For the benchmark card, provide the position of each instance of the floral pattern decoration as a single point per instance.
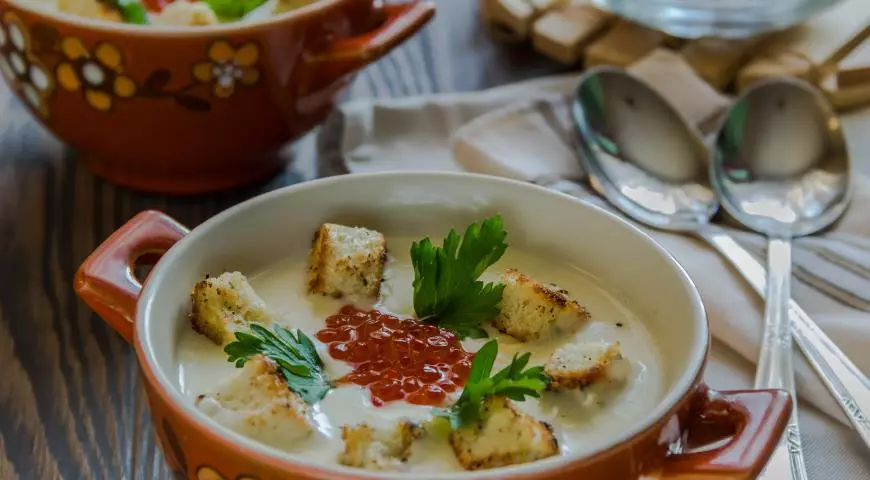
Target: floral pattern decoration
(98, 74)
(178, 461)
(208, 473)
(226, 66)
(23, 71)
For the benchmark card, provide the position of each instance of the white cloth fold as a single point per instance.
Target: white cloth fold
(521, 131)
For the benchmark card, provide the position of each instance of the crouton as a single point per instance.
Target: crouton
(91, 9)
(529, 310)
(378, 449)
(504, 436)
(183, 13)
(258, 403)
(288, 5)
(224, 304)
(347, 261)
(580, 364)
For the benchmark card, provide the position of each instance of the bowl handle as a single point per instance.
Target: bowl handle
(755, 420)
(106, 282)
(348, 55)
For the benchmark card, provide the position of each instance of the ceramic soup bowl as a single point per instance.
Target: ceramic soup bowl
(732, 433)
(192, 109)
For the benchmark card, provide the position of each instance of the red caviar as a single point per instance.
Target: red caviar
(155, 5)
(396, 359)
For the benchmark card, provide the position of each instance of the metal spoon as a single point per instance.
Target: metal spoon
(644, 159)
(780, 167)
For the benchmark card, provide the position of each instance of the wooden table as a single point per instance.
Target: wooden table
(71, 403)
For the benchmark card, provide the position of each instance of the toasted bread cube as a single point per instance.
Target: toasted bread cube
(347, 261)
(184, 13)
(91, 9)
(378, 449)
(580, 364)
(287, 5)
(503, 436)
(224, 304)
(258, 403)
(529, 310)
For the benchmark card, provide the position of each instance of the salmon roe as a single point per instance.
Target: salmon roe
(396, 359)
(155, 5)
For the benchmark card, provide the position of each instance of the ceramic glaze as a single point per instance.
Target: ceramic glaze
(218, 111)
(614, 269)
(583, 421)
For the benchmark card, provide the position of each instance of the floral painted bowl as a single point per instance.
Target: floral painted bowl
(690, 432)
(192, 109)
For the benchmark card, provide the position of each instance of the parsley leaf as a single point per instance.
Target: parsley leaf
(446, 286)
(132, 11)
(296, 357)
(228, 10)
(512, 382)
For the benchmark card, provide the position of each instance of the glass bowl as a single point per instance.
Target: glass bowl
(716, 18)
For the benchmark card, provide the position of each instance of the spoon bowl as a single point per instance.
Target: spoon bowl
(646, 160)
(640, 153)
(780, 167)
(779, 164)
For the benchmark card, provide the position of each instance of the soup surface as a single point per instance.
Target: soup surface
(178, 13)
(582, 420)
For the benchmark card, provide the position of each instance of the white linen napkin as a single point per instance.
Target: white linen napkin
(522, 131)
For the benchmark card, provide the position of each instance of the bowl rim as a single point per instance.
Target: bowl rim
(154, 30)
(685, 383)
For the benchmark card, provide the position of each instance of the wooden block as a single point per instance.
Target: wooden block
(813, 49)
(671, 41)
(826, 38)
(670, 75)
(854, 69)
(623, 45)
(563, 33)
(784, 65)
(717, 60)
(514, 16)
(543, 6)
(846, 97)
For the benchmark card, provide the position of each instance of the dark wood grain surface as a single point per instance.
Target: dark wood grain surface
(71, 403)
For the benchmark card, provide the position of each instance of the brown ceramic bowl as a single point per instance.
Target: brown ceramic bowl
(734, 432)
(193, 109)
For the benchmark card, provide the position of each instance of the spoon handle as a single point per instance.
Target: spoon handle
(775, 360)
(849, 387)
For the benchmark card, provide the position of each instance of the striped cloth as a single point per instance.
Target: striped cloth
(522, 131)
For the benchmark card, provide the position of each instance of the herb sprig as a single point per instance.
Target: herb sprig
(296, 357)
(446, 286)
(512, 382)
(132, 11)
(228, 10)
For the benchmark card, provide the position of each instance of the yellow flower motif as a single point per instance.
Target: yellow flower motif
(23, 71)
(227, 65)
(208, 473)
(97, 73)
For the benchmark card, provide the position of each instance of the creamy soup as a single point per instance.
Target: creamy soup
(178, 13)
(582, 421)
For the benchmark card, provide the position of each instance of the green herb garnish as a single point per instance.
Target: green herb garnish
(512, 382)
(446, 289)
(296, 357)
(132, 11)
(228, 10)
